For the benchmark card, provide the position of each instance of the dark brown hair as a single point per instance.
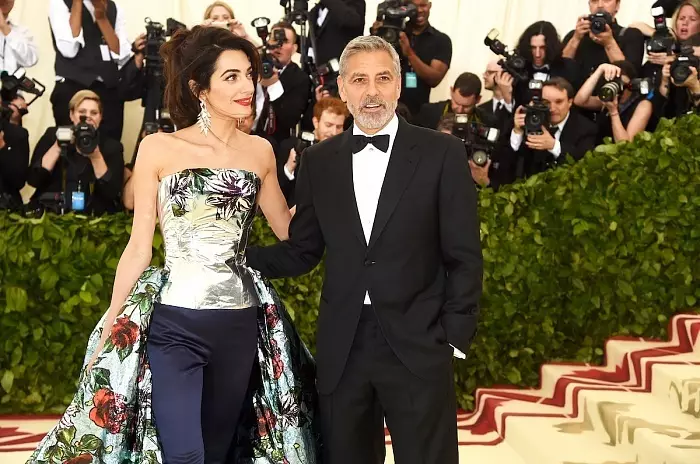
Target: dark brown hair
(468, 84)
(191, 55)
(561, 84)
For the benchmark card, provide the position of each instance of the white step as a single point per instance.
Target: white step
(678, 386)
(557, 440)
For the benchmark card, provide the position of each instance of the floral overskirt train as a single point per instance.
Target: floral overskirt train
(110, 419)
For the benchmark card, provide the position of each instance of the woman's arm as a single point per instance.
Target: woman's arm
(271, 200)
(640, 119)
(585, 98)
(138, 252)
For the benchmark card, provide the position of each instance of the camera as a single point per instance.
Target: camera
(480, 140)
(304, 141)
(326, 75)
(680, 68)
(610, 89)
(512, 63)
(537, 114)
(599, 20)
(394, 15)
(12, 84)
(662, 41)
(156, 35)
(163, 123)
(279, 36)
(298, 11)
(84, 135)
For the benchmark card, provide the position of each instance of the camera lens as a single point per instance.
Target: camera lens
(680, 74)
(480, 158)
(534, 119)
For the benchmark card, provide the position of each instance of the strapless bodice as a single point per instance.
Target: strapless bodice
(205, 219)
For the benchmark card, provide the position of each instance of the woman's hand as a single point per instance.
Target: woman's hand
(612, 106)
(237, 28)
(609, 71)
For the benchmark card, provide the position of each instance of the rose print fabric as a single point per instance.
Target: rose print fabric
(110, 419)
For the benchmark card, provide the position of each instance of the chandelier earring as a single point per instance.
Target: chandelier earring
(204, 118)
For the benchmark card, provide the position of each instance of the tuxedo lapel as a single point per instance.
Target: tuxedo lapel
(402, 165)
(346, 189)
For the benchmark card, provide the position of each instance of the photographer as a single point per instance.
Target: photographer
(603, 40)
(335, 22)
(628, 113)
(329, 119)
(465, 95)
(18, 47)
(537, 149)
(500, 107)
(288, 89)
(14, 161)
(541, 48)
(675, 98)
(95, 176)
(89, 37)
(220, 14)
(426, 54)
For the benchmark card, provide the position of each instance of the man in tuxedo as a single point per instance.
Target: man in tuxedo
(334, 23)
(500, 106)
(287, 91)
(394, 208)
(569, 133)
(465, 95)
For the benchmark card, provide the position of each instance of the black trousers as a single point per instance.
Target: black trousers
(112, 106)
(201, 362)
(420, 414)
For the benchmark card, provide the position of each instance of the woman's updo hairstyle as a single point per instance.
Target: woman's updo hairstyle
(191, 55)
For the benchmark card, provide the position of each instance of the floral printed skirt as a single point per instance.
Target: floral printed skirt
(110, 419)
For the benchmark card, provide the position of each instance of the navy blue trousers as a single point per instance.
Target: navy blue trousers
(201, 363)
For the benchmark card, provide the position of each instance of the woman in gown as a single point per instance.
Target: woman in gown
(196, 362)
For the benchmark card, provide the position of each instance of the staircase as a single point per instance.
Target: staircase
(641, 407)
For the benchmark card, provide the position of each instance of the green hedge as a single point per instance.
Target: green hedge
(608, 246)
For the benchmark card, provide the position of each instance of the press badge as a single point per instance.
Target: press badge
(411, 80)
(77, 201)
(104, 49)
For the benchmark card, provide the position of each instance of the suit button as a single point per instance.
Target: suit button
(369, 263)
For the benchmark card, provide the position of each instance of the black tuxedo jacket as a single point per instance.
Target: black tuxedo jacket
(288, 108)
(286, 185)
(422, 266)
(344, 22)
(577, 138)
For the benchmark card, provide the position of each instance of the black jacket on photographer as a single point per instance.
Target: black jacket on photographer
(289, 107)
(287, 185)
(590, 55)
(576, 138)
(335, 23)
(101, 195)
(14, 162)
(430, 114)
(429, 45)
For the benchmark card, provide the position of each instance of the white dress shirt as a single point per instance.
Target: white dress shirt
(500, 101)
(517, 139)
(18, 49)
(69, 46)
(369, 167)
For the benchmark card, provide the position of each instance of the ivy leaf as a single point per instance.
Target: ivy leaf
(6, 382)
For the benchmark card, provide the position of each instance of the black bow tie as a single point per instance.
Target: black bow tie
(553, 130)
(381, 142)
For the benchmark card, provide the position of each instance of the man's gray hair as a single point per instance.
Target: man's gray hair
(368, 43)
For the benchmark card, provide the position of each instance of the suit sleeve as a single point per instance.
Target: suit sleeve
(461, 247)
(14, 157)
(583, 141)
(304, 249)
(347, 13)
(290, 107)
(109, 186)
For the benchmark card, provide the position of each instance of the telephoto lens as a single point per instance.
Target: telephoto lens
(610, 90)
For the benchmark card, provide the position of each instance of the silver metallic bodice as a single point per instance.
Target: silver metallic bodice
(205, 218)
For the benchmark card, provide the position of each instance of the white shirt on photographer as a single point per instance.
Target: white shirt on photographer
(69, 46)
(18, 49)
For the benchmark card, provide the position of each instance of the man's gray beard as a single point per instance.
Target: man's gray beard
(373, 120)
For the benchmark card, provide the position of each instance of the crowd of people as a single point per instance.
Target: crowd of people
(98, 69)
